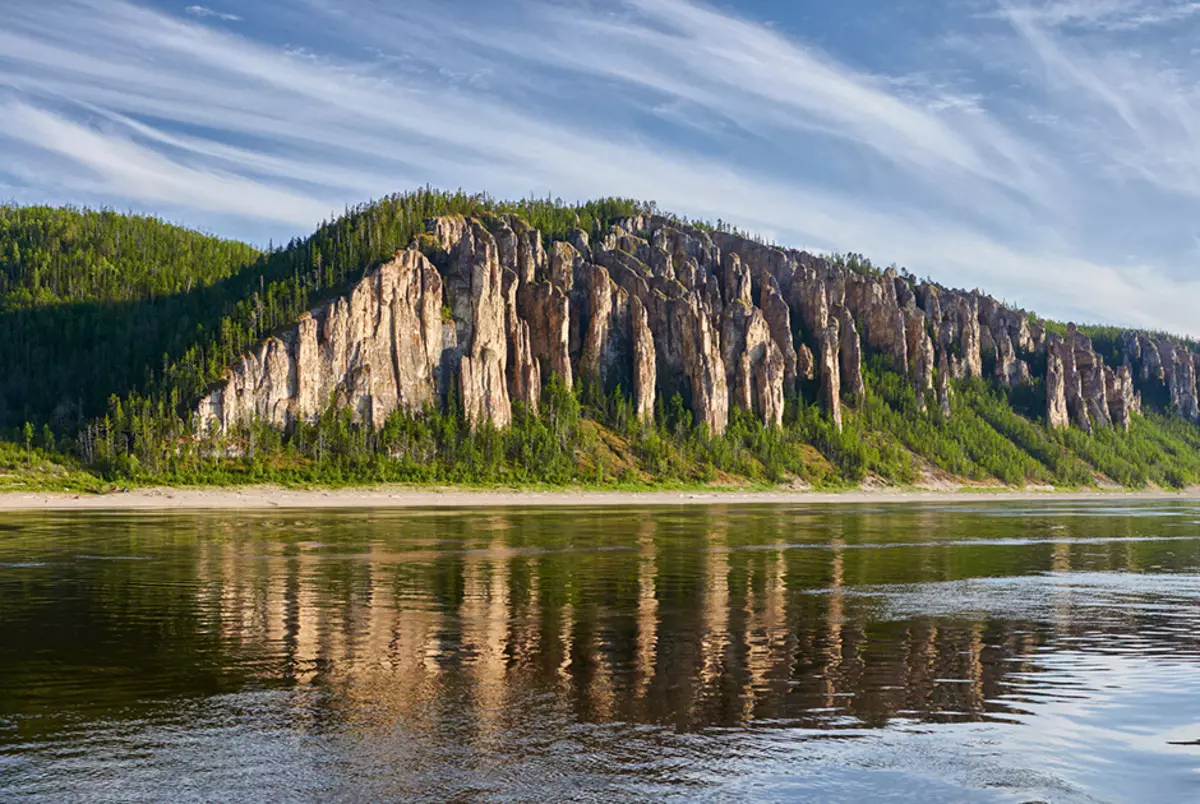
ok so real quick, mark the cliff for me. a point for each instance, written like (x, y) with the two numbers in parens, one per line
(482, 308)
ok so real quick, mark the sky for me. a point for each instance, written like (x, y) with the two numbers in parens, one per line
(1045, 151)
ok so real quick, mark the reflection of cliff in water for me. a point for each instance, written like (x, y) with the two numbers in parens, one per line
(688, 618)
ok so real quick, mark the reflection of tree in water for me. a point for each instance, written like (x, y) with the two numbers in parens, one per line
(467, 622)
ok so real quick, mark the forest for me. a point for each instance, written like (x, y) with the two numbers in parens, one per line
(112, 326)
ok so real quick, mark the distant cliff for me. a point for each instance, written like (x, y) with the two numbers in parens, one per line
(480, 307)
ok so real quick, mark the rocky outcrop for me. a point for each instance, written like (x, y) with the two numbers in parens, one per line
(851, 355)
(875, 303)
(645, 374)
(831, 383)
(704, 366)
(474, 288)
(1122, 398)
(1089, 368)
(1057, 413)
(806, 364)
(1180, 367)
(944, 390)
(602, 313)
(779, 320)
(376, 350)
(524, 372)
(656, 307)
(920, 351)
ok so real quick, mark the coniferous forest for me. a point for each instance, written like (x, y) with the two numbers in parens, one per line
(113, 326)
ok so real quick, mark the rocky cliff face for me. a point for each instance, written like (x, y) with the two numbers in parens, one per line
(660, 308)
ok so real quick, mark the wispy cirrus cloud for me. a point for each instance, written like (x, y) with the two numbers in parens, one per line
(266, 131)
(1111, 15)
(205, 11)
(1138, 111)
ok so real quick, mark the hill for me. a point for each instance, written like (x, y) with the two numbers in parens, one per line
(443, 337)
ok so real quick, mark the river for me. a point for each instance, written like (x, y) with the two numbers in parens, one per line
(1007, 651)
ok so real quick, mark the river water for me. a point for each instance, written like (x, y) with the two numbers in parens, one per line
(990, 652)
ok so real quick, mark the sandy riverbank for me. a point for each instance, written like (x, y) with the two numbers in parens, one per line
(265, 497)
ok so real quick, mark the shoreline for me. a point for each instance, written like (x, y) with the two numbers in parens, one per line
(407, 497)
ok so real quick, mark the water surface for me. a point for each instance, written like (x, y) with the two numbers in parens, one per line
(991, 652)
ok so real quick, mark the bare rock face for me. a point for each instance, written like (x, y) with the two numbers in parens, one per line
(546, 310)
(944, 390)
(524, 373)
(1057, 411)
(478, 304)
(657, 306)
(603, 300)
(806, 363)
(1182, 382)
(966, 312)
(735, 285)
(850, 348)
(1092, 385)
(779, 319)
(1122, 399)
(704, 367)
(768, 387)
(883, 321)
(1152, 362)
(377, 350)
(831, 383)
(809, 296)
(644, 365)
(565, 264)
(920, 351)
(754, 363)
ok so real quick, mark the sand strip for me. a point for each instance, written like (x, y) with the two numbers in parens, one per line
(266, 497)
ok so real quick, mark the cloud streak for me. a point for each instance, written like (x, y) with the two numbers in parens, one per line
(709, 113)
(204, 11)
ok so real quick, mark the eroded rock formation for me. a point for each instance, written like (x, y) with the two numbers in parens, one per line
(492, 311)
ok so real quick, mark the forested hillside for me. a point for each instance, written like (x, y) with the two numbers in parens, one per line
(114, 328)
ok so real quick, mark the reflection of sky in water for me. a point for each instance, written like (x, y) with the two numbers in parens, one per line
(636, 655)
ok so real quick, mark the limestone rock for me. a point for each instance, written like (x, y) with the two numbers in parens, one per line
(735, 284)
(546, 309)
(658, 307)
(806, 363)
(768, 387)
(1057, 380)
(704, 367)
(1090, 369)
(1122, 399)
(920, 351)
(944, 390)
(1182, 381)
(883, 321)
(850, 348)
(599, 352)
(779, 319)
(376, 350)
(644, 364)
(524, 372)
(810, 298)
(475, 289)
(831, 383)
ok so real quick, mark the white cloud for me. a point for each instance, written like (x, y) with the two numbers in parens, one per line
(116, 101)
(1110, 15)
(204, 11)
(129, 170)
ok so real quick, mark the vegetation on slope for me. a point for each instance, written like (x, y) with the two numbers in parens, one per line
(111, 327)
(87, 315)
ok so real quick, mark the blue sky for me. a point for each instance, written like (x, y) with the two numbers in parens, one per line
(1047, 151)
